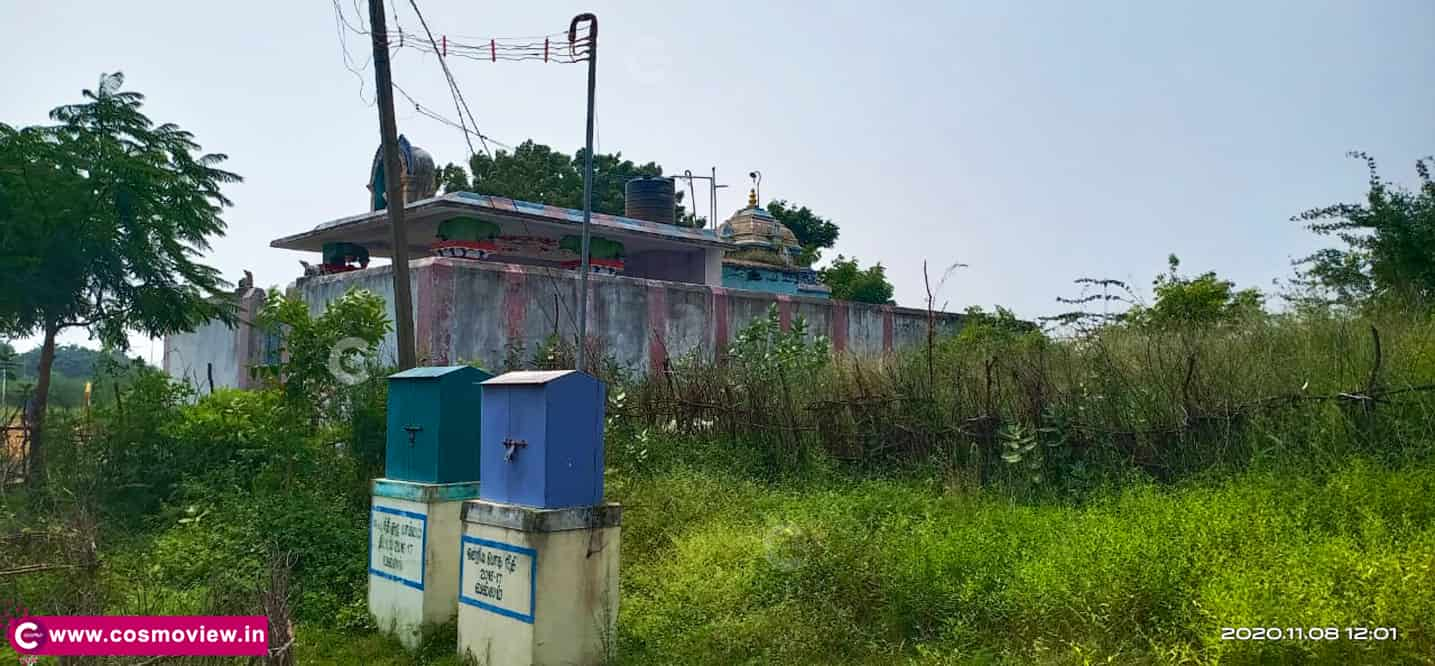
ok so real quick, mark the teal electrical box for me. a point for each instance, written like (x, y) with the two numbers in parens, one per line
(434, 424)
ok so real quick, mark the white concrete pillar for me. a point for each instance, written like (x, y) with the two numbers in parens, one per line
(414, 531)
(538, 586)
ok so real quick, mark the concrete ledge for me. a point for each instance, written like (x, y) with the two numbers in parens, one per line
(426, 493)
(531, 519)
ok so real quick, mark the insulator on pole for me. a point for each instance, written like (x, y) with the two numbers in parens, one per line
(493, 50)
(445, 46)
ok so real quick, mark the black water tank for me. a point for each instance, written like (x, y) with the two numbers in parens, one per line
(650, 198)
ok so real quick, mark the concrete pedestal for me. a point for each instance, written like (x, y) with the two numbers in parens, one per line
(538, 586)
(414, 531)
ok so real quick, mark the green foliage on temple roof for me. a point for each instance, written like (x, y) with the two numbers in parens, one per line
(467, 229)
(598, 247)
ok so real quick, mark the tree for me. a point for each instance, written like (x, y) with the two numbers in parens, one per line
(452, 178)
(812, 231)
(537, 173)
(850, 283)
(102, 219)
(1203, 300)
(1387, 240)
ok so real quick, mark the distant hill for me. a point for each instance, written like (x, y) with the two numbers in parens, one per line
(71, 361)
(74, 365)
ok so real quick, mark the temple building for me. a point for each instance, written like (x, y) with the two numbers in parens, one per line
(493, 282)
(766, 255)
(478, 227)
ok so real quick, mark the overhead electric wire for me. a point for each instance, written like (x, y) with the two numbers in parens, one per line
(458, 96)
(343, 18)
(555, 45)
(340, 22)
(436, 116)
(459, 102)
(555, 48)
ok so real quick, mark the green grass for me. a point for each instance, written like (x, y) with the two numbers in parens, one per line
(321, 645)
(822, 567)
(718, 570)
(721, 568)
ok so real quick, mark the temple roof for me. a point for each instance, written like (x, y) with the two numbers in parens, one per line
(759, 237)
(422, 218)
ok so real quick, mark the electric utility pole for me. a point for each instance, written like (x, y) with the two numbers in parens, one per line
(394, 177)
(587, 180)
(6, 363)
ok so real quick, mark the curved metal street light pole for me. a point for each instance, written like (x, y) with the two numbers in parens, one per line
(587, 178)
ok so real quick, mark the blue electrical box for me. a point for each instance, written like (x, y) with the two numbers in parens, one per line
(543, 439)
(433, 429)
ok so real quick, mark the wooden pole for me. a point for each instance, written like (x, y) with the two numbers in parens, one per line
(393, 187)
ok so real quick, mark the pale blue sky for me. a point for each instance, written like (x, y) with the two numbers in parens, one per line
(1036, 141)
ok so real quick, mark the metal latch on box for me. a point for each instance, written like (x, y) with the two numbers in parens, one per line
(511, 447)
(413, 431)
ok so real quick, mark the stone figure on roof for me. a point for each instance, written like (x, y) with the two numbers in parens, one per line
(420, 178)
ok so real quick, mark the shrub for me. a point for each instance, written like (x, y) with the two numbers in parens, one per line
(125, 462)
(202, 495)
(256, 481)
(1204, 300)
(314, 350)
(1168, 403)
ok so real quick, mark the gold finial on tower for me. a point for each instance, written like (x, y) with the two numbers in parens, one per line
(752, 198)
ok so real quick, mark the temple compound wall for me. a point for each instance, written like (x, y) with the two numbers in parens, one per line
(217, 354)
(486, 313)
